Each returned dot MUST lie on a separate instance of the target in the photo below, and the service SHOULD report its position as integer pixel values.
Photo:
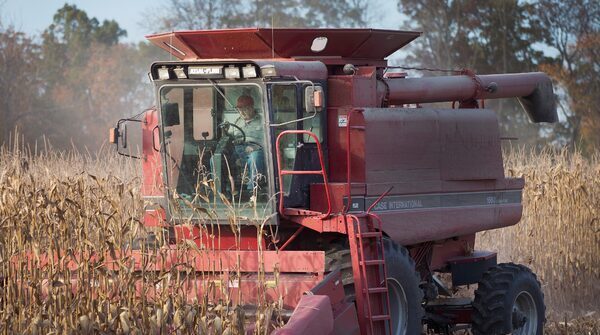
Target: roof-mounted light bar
(227, 71)
(205, 71)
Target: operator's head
(245, 106)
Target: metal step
(373, 262)
(377, 290)
(371, 234)
(380, 317)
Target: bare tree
(574, 32)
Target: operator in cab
(250, 152)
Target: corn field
(72, 206)
(54, 203)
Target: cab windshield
(214, 151)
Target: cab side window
(284, 104)
(285, 111)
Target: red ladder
(370, 273)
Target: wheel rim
(398, 307)
(524, 307)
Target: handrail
(349, 161)
(321, 172)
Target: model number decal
(444, 200)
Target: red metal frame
(379, 199)
(454, 310)
(282, 210)
(292, 238)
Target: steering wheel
(227, 124)
(243, 135)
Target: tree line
(76, 79)
(67, 86)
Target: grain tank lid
(294, 43)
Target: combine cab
(371, 207)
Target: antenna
(171, 42)
(272, 33)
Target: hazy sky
(33, 16)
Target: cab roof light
(268, 70)
(180, 73)
(232, 72)
(249, 71)
(163, 73)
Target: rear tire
(406, 296)
(509, 299)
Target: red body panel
(430, 225)
(220, 239)
(421, 145)
(312, 316)
(345, 93)
(289, 287)
(443, 170)
(297, 271)
(202, 260)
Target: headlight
(232, 72)
(163, 73)
(268, 71)
(249, 71)
(179, 72)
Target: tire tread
(488, 306)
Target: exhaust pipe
(533, 90)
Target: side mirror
(171, 114)
(313, 99)
(123, 133)
(119, 136)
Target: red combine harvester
(371, 206)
